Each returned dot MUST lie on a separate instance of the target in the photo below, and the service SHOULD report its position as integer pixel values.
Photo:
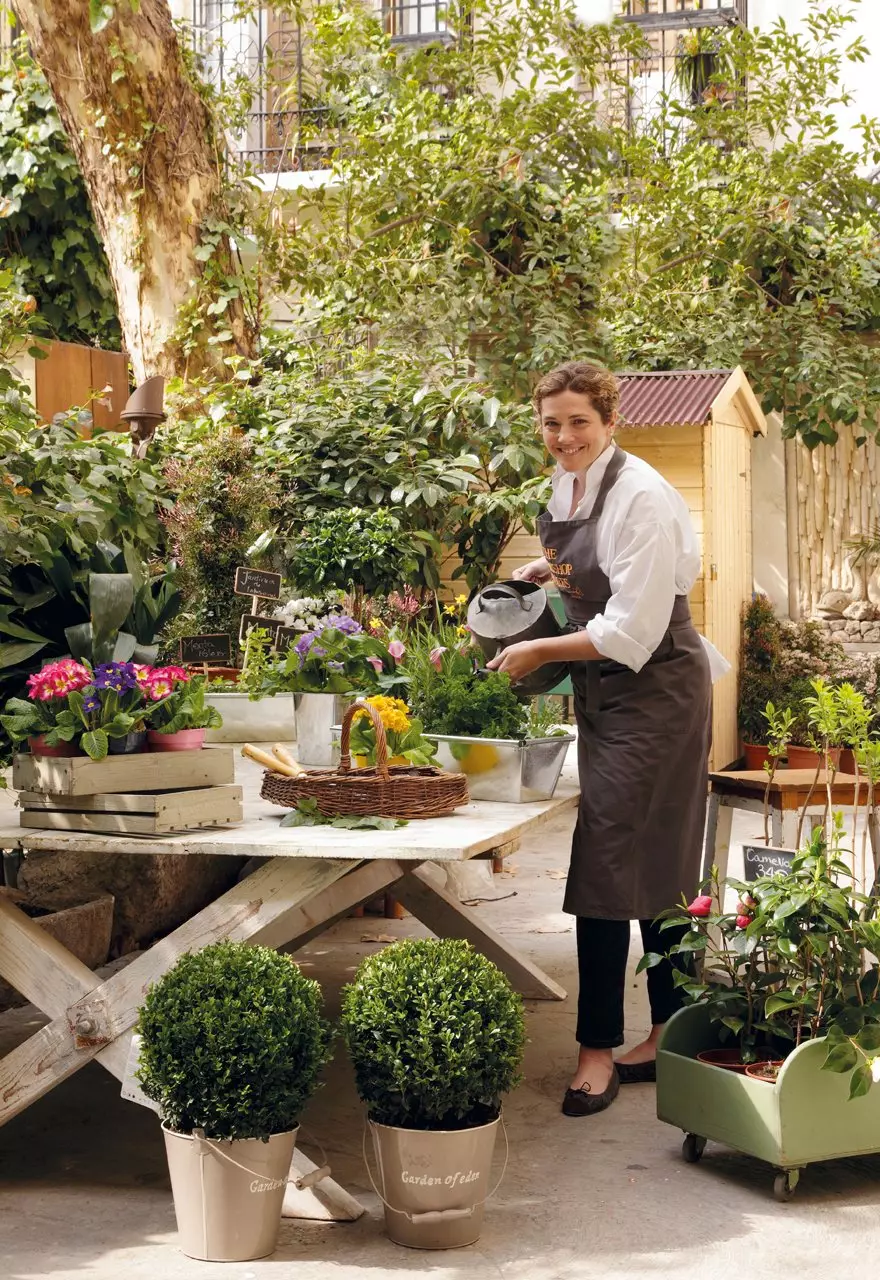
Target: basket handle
(381, 740)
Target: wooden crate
(147, 771)
(133, 813)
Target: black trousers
(603, 950)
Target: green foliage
(460, 701)
(358, 551)
(306, 815)
(749, 229)
(47, 234)
(233, 1041)
(184, 709)
(435, 1033)
(221, 509)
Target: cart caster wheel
(784, 1184)
(693, 1147)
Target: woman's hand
(534, 571)
(518, 660)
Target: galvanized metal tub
(501, 769)
(318, 726)
(260, 720)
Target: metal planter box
(261, 720)
(807, 1115)
(504, 769)
(500, 769)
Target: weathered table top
(791, 786)
(471, 830)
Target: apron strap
(612, 471)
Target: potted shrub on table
(179, 714)
(232, 1041)
(252, 709)
(436, 1036)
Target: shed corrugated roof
(675, 398)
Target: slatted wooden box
(147, 771)
(135, 813)
(143, 794)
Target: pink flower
(376, 664)
(397, 649)
(57, 679)
(701, 905)
(437, 656)
(158, 688)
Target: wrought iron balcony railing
(286, 123)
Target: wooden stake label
(260, 583)
(214, 648)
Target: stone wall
(848, 631)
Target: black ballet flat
(582, 1102)
(637, 1072)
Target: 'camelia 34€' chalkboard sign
(762, 860)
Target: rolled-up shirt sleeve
(642, 578)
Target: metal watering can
(506, 613)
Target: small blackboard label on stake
(257, 582)
(251, 620)
(287, 637)
(215, 647)
(763, 860)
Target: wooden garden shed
(695, 427)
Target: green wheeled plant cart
(806, 1116)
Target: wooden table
(789, 791)
(311, 878)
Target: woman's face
(574, 432)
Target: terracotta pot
(729, 1059)
(756, 756)
(754, 1070)
(804, 758)
(183, 740)
(64, 750)
(220, 673)
(847, 761)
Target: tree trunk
(151, 162)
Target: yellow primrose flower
(393, 712)
(376, 624)
(450, 610)
(462, 599)
(462, 631)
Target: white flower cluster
(307, 612)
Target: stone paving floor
(84, 1193)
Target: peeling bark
(145, 146)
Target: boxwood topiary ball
(233, 1040)
(436, 1035)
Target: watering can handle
(506, 591)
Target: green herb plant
(460, 701)
(232, 1040)
(435, 1033)
(185, 708)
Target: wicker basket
(396, 791)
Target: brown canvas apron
(643, 744)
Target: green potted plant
(800, 989)
(406, 743)
(179, 713)
(251, 707)
(759, 679)
(482, 727)
(232, 1041)
(436, 1037)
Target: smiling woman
(619, 546)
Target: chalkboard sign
(251, 620)
(763, 860)
(257, 582)
(287, 637)
(208, 648)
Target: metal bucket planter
(807, 1115)
(264, 720)
(316, 716)
(434, 1183)
(228, 1195)
(503, 768)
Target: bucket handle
(438, 1215)
(506, 591)
(302, 1184)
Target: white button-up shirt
(647, 548)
